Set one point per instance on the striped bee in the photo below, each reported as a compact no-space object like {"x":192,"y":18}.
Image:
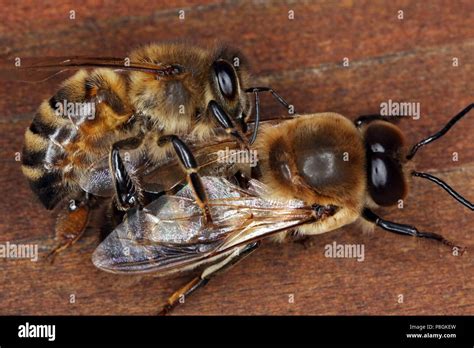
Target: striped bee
{"x":147,"y":101}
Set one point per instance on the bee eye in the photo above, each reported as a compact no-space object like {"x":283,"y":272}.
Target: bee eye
{"x":386,"y":183}
{"x":226,"y":78}
{"x":383,"y":144}
{"x":383,"y":138}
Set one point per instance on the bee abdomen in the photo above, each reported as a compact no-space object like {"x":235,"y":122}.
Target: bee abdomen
{"x":48,"y":185}
{"x":40,"y":155}
{"x":66,"y":135}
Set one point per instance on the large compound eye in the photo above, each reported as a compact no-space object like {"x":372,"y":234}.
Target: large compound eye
{"x":383,"y":137}
{"x":226,"y":78}
{"x":383,"y":143}
{"x":386,"y":182}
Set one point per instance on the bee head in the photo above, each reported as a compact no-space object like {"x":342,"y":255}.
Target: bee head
{"x":387,"y":160}
{"x":384,"y":145}
{"x":228,"y":76}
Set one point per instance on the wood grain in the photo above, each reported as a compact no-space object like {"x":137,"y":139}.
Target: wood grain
{"x":402,"y":60}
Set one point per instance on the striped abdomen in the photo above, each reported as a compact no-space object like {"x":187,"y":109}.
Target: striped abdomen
{"x":74,"y":128}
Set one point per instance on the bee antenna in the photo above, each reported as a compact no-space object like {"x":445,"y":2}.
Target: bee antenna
{"x":440,"y":133}
{"x":445,"y":186}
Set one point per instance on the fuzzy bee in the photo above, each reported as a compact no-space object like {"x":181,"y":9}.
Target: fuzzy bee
{"x":147,"y":101}
{"x":316,"y":174}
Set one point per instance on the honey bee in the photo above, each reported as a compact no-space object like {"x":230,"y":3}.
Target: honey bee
{"x":147,"y":101}
{"x":318,"y":172}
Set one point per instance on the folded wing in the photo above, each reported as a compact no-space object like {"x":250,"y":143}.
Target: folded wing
{"x":170,"y":234}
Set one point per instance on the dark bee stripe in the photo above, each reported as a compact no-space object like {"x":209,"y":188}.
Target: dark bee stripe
{"x":89,"y":84}
{"x":48,"y":179}
{"x":67,"y":93}
{"x":49,"y":189}
{"x":40,"y":128}
{"x":104,"y":93}
{"x":53,"y":101}
{"x":113,"y":100}
{"x":32,"y":158}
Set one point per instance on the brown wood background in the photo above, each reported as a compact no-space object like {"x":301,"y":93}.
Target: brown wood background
{"x":402,"y":60}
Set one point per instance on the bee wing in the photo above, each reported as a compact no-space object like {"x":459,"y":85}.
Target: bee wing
{"x":42,"y":69}
{"x":158,"y":176}
{"x":210,"y":156}
{"x":97,"y":179}
{"x":170,"y":234}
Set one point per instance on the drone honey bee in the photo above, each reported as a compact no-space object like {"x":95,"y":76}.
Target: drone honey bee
{"x":318,"y":172}
{"x":167,"y":91}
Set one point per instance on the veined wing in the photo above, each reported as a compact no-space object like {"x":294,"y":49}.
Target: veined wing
{"x":162,"y":175}
{"x":42,"y":69}
{"x":170,"y":234}
{"x":97,"y":179}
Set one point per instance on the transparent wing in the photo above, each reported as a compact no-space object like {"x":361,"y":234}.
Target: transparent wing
{"x":162,"y":175}
{"x":97,"y":179}
{"x":42,"y":69}
{"x":170,"y":235}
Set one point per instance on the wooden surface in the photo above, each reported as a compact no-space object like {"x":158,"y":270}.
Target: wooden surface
{"x":402,"y":60}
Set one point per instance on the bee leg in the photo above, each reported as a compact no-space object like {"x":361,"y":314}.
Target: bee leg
{"x":127,"y":192}
{"x":189,"y":164}
{"x":179,"y":296}
{"x":70,"y":226}
{"x":407,"y":230}
{"x":225,"y":121}
{"x":304,"y":240}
